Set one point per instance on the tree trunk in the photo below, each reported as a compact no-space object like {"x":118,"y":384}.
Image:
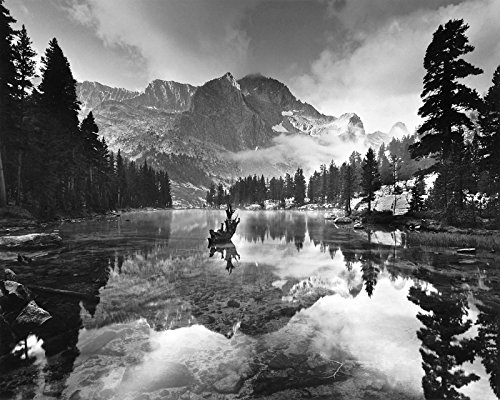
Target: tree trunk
{"x":19,"y":169}
{"x":3,"y":192}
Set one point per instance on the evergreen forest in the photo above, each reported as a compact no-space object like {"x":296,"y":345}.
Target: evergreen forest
{"x":51,"y":163}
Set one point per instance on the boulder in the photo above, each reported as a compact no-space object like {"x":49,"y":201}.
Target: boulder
{"x":343,"y":220}
{"x":32,"y":240}
{"x":15,"y":293}
{"x":10,"y":275}
{"x":32,"y":316}
{"x":233,"y":303}
{"x":231,"y":383}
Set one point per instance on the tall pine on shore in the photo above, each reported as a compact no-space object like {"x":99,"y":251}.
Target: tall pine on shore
{"x":446,"y":103}
{"x":7,"y":85}
{"x":25,"y":63}
{"x":58,"y":107}
{"x":489,"y":141}
{"x":370,"y":178}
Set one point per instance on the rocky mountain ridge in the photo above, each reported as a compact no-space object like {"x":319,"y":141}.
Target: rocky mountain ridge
{"x":209,"y":126}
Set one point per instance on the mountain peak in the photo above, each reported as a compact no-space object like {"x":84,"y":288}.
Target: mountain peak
{"x":230,"y":78}
{"x":353,"y":119}
{"x":399,"y":130}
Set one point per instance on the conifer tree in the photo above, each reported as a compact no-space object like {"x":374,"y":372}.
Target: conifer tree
{"x":300,"y":187}
{"x":417,"y":193}
{"x":446,"y":100}
{"x":370,"y":178}
{"x":446,"y":103}
{"x":489,"y":153}
{"x":25,"y":63}
{"x":348,"y":180}
{"x":333,"y":182}
{"x":61,"y":140}
{"x":7,"y":86}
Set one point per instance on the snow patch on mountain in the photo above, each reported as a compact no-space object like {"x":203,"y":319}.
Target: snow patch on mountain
{"x":279,"y":128}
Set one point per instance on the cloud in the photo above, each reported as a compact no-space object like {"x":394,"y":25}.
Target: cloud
{"x":381,"y":78}
{"x":184,"y":41}
{"x":306,"y":152}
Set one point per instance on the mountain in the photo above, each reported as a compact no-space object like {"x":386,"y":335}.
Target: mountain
{"x":376,"y":138}
{"x":220,"y":130}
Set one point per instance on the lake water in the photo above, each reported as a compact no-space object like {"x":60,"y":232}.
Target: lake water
{"x":295,"y":308}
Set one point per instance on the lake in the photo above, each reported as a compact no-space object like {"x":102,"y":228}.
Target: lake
{"x":295,"y":307}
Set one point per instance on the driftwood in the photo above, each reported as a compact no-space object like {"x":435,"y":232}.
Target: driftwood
{"x":226,"y":230}
{"x":63,"y":292}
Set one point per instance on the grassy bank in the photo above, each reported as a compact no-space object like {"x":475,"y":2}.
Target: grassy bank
{"x":487,"y":241}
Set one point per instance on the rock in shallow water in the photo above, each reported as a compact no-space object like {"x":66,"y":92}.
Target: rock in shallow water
{"x":343,"y":220}
{"x":231,"y":383}
{"x":167,"y":375}
{"x":233,"y":303}
{"x":32,"y":240}
{"x":32,"y":315}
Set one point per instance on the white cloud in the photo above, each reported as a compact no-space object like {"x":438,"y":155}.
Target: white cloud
{"x":302,"y":151}
{"x":176,"y":40}
{"x":381,"y":79}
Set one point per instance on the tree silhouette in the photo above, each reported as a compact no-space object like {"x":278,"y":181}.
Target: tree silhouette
{"x":446,"y":103}
{"x":7,"y":87}
{"x":442,"y":350}
{"x":370,"y":178}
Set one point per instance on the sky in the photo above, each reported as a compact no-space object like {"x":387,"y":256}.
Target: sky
{"x":362,"y":56}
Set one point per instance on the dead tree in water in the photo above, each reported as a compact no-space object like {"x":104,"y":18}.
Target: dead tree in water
{"x":227,"y":229}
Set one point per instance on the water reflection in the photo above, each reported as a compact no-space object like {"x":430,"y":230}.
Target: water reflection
{"x":308,"y":304}
{"x":228,"y":253}
{"x":442,"y":351}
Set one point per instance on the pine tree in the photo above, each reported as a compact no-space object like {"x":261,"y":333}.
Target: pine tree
{"x":300,"y":187}
{"x":7,"y":87}
{"x":370,"y":178}
{"x":489,"y":141}
{"x":446,"y":102}
{"x":210,"y":198}
{"x":348,"y":180}
{"x":289,"y":186}
{"x":333,"y":182}
{"x":61,"y":140}
{"x":310,"y":189}
{"x":417,"y":193}
{"x":446,"y":99}
{"x":24,"y":61}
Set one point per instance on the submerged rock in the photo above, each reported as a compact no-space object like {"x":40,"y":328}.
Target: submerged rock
{"x":15,"y":293}
{"x":231,"y":383}
{"x":343,"y":220}
{"x":10,"y":275}
{"x":32,"y":315}
{"x":32,"y":240}
{"x":233,"y":303}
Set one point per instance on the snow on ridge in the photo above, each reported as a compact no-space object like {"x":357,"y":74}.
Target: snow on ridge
{"x":286,"y":113}
{"x":279,"y":128}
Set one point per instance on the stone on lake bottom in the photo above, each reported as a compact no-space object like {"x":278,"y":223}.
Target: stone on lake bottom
{"x":343,"y":220}
{"x":231,"y":383}
{"x":233,"y":303}
{"x":32,"y":315}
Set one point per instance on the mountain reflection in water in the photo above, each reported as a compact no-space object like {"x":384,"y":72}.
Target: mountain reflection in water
{"x":345,"y":314}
